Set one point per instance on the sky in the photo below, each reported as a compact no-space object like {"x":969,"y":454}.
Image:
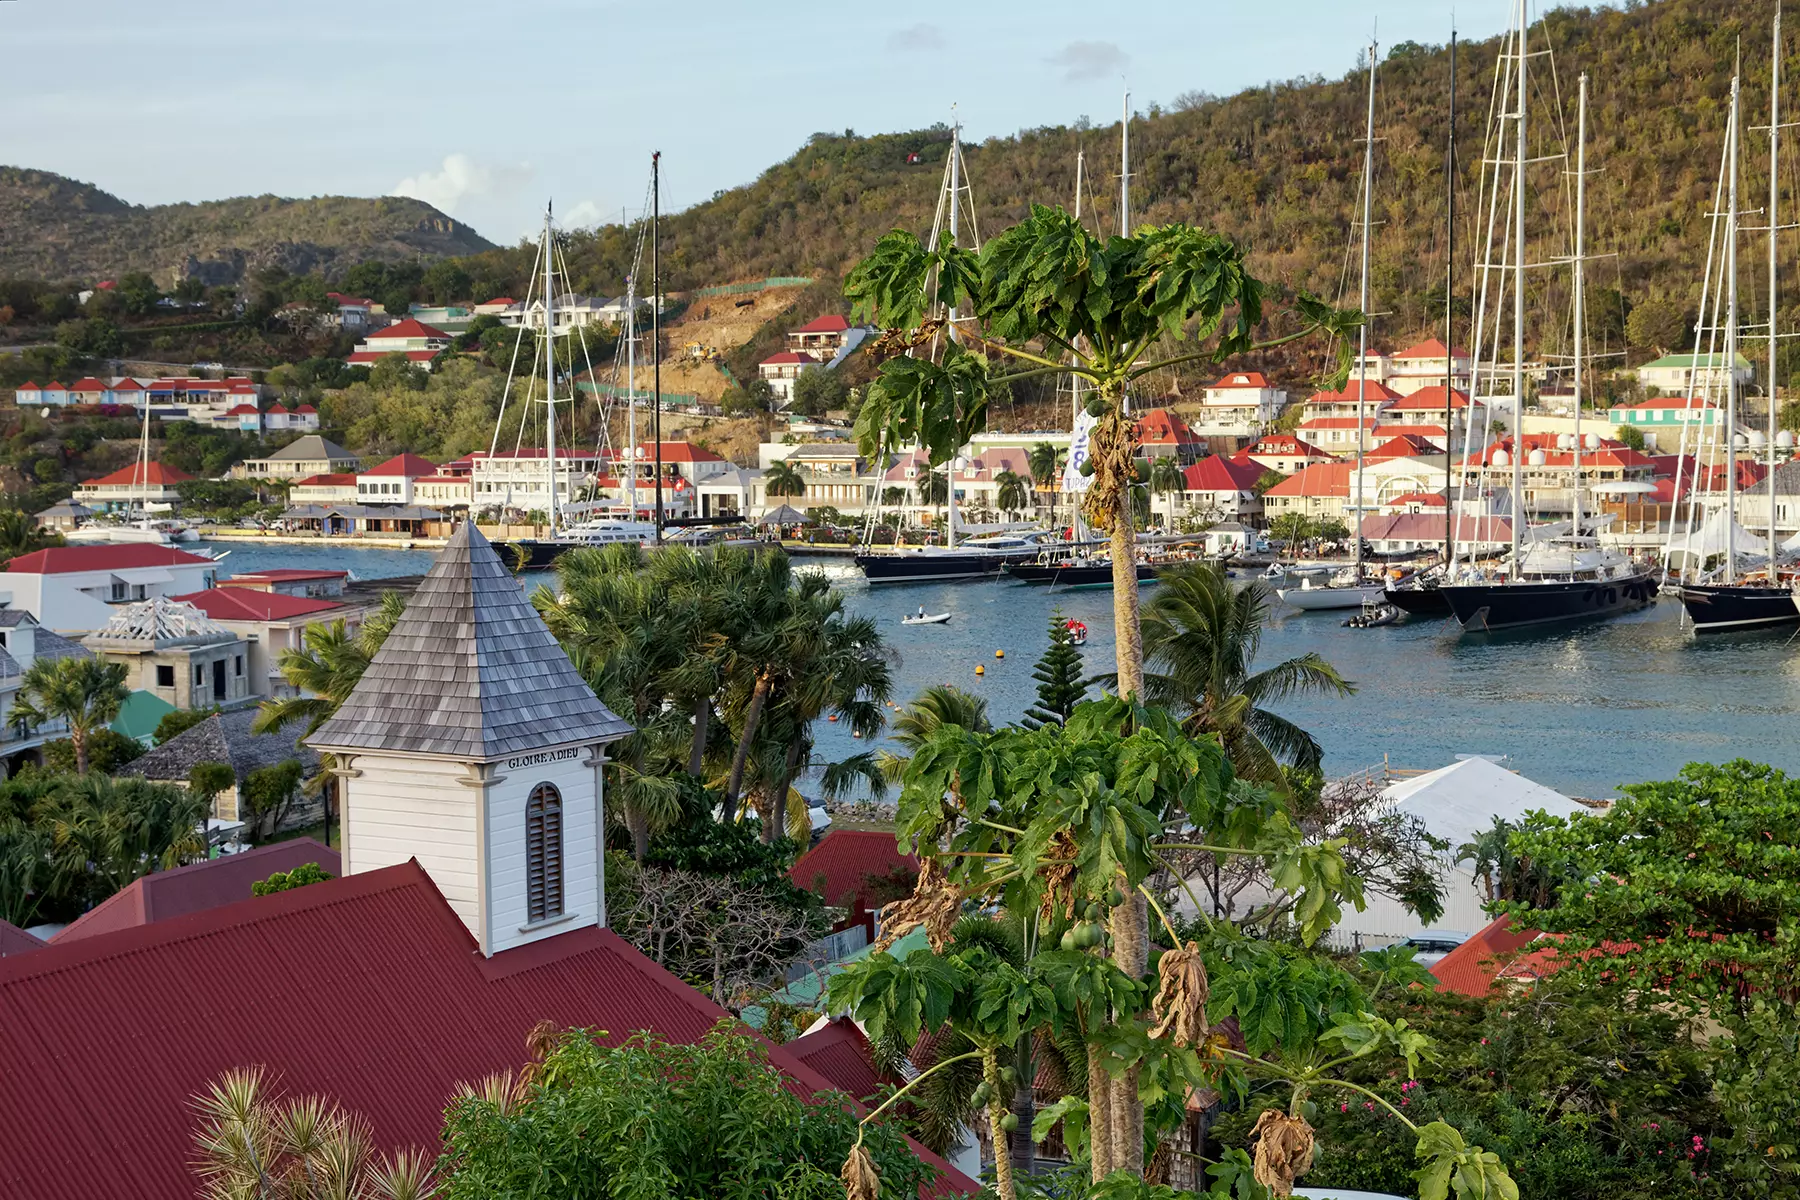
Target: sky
{"x":490,"y":109}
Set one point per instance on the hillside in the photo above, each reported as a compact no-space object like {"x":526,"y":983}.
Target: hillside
{"x":52,"y":227}
{"x":1277,"y":167}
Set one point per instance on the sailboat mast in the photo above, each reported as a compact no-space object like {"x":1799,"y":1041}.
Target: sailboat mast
{"x":631,"y":389}
{"x":656,"y":327}
{"x":1449,"y":319}
{"x":1125,"y":169}
{"x":550,"y":363}
{"x":1518,"y":347}
{"x":955,"y":208}
{"x":1580,"y":275}
{"x":1731,"y":340}
{"x":1774,"y":224}
{"x":1362,"y":367}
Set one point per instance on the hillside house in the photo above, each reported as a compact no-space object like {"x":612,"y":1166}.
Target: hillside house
{"x":1662,"y":421}
{"x":132,"y":487}
{"x":357,"y":313}
{"x":780,"y":370}
{"x":310,"y":455}
{"x":1685,"y":374}
{"x":1221,"y":489}
{"x":1418,"y":366}
{"x":1239,"y":404}
{"x":72,"y":589}
{"x":827,"y":337}
{"x":1285,"y":453}
{"x":176,"y":653}
{"x":420,"y":343}
{"x":1162,"y":433}
{"x":392,"y":481}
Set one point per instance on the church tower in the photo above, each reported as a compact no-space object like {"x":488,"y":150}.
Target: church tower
{"x":472,"y":745}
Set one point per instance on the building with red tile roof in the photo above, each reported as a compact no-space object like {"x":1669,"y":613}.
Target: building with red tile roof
{"x":1499,"y":955}
{"x":399,"y":1006}
{"x":323,"y":489}
{"x":824,"y":338}
{"x":71,"y":589}
{"x":1374,"y":397}
{"x":1240,"y":404}
{"x":1419,"y":365}
{"x":1162,"y":432}
{"x":841,"y":868}
{"x":417,"y":341}
{"x":197,"y":887}
{"x":391,"y":482}
{"x":1337,"y":434}
{"x":1220,"y":489}
{"x":1286,"y":452}
{"x":131,"y":486}
{"x":1405,"y":445}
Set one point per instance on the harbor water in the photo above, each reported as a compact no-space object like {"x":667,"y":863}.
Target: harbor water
{"x":1582,"y":709}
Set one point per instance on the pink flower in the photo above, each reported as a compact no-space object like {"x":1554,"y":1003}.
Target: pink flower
{"x":1484,"y":1041}
{"x":1344,"y":1107}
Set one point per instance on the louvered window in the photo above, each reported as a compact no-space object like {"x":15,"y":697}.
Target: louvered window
{"x":543,"y":854}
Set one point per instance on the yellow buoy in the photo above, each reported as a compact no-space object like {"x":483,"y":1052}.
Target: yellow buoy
{"x":980,"y":670}
{"x":999,"y":654}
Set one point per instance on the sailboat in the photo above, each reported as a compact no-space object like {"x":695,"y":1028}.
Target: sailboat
{"x":1554,"y":575}
{"x":1418,"y":595}
{"x":533,"y":553}
{"x":1350,"y":589}
{"x":147,"y":531}
{"x":975,"y":558}
{"x":1758,"y":601}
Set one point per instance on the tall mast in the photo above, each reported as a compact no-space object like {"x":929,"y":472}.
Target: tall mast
{"x":550,"y":362}
{"x":1731,"y":340}
{"x":1449,"y":320}
{"x":1125,"y":169}
{"x":1774,"y":224}
{"x":1075,"y":380}
{"x":656,"y":326}
{"x":1362,"y":368}
{"x":955,"y":206}
{"x":1518,"y":347}
{"x":631,"y":389}
{"x":1580,"y":274}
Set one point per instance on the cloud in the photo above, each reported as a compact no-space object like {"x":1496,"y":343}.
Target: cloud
{"x":462,"y":179}
{"x":1088,"y":60}
{"x":582,"y":216}
{"x":918,"y":39}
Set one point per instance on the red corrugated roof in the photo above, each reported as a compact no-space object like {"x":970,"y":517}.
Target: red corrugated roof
{"x":1496,"y":953}
{"x":1239,"y":379}
{"x":245,"y":577}
{"x":64,"y":560}
{"x":14,"y":940}
{"x":250,"y":604}
{"x":1406,"y":445}
{"x":326,"y":481}
{"x":788,"y":357}
{"x":107,"y":1039}
{"x":1320,"y":479}
{"x":90,"y":384}
{"x":1377,"y":392}
{"x":830,"y":323}
{"x":1429,"y":399}
{"x":197,"y":888}
{"x":1430,"y":348}
{"x":846,"y":858}
{"x":1217,"y":474}
{"x":409,"y":328}
{"x":155,"y":475}
{"x":407,"y":466}
{"x":840,"y":1052}
{"x":1677,"y":402}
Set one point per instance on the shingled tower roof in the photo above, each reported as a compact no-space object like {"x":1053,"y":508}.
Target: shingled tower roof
{"x":470,"y":671}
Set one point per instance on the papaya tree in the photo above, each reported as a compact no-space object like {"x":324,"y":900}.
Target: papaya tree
{"x":1058,"y":827}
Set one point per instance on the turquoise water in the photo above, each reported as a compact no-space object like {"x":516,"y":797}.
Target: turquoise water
{"x":1581,"y":709}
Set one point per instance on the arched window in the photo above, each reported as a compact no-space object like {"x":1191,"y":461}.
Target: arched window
{"x":543,"y":854}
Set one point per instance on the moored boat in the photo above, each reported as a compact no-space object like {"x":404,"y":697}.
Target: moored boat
{"x":1511,"y":604}
{"x":1721,"y":608}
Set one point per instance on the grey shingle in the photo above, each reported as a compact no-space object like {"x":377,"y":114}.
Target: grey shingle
{"x":223,"y":738}
{"x":470,"y":671}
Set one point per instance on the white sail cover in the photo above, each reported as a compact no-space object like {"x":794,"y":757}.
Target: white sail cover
{"x":1710,"y":538}
{"x":1073,"y":479}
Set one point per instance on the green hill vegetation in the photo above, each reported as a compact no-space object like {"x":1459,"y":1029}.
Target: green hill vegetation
{"x":52,"y":227}
{"x":1278,"y":168}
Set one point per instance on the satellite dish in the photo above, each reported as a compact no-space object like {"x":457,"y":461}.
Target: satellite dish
{"x":1592,"y":441}
{"x":1502,"y":459}
{"x":1565,"y":441}
{"x":1785,"y":440}
{"x":1758,"y":438}
{"x":1536,"y":458}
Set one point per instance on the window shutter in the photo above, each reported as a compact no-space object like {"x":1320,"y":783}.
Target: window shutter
{"x":543,"y":854}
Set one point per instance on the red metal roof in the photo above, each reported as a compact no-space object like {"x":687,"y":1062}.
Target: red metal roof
{"x":407,"y":465}
{"x":244,"y":578}
{"x":1430,"y":348}
{"x":672,"y":452}
{"x":840,"y":1052}
{"x":198,"y":887}
{"x":65,"y":560}
{"x":1279,"y":446}
{"x":1677,"y":402}
{"x":1159,"y":426}
{"x":107,"y":1039}
{"x":326,"y":481}
{"x":156,"y":475}
{"x":1320,"y":479}
{"x":409,"y":328}
{"x":788,"y":357}
{"x":242,"y":410}
{"x":830,"y":323}
{"x":1435,"y":499}
{"x":846,"y":858}
{"x":250,"y":604}
{"x":14,"y":940}
{"x":1377,"y":392}
{"x":1217,"y":474}
{"x":1496,"y":953}
{"x":1429,"y":399}
{"x":90,"y":384}
{"x":1239,"y":379}
{"x":1405,"y":445}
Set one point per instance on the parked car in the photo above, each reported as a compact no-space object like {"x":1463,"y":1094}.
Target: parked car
{"x":1432,"y":944}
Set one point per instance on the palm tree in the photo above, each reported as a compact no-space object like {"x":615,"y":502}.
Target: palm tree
{"x":20,"y":535}
{"x":326,"y":668}
{"x":783,"y":479}
{"x":1012,"y":492}
{"x":105,"y":832}
{"x":934,"y":488}
{"x":1200,"y":640}
{"x":1045,"y":464}
{"x":86,"y":693}
{"x":938,"y":705}
{"x":1167,"y":479}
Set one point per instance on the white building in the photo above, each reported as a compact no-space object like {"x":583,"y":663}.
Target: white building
{"x":270,"y":622}
{"x":1239,"y":404}
{"x":420,"y":343}
{"x":132,"y":487}
{"x":472,"y":724}
{"x":72,"y":589}
{"x":519,"y":480}
{"x":1689,"y":374}
{"x":780,"y":371}
{"x":392,"y":481}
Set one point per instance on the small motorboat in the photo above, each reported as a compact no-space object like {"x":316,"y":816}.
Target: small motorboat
{"x":1373,"y":615}
{"x":1077,"y":632}
{"x":926,"y":619}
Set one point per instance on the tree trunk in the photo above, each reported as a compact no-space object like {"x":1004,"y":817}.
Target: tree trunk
{"x":1100,"y":1139}
{"x":702,"y":726}
{"x":78,"y":739}
{"x":1003,"y":1172}
{"x":1130,"y":931}
{"x":752,"y":714}
{"x":789,"y":766}
{"x":1128,"y":651}
{"x":1024,"y":1105}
